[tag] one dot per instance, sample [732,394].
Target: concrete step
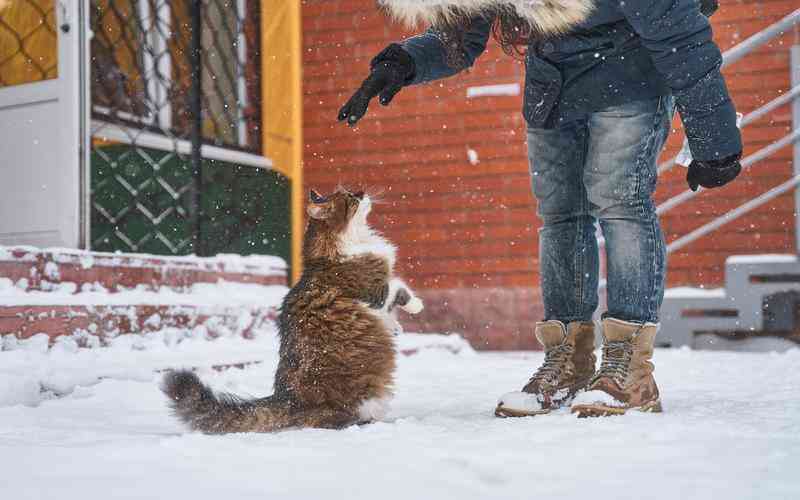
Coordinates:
[92,326]
[754,300]
[686,309]
[92,296]
[44,269]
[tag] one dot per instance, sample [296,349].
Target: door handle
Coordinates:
[65,26]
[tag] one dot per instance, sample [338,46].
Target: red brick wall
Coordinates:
[468,233]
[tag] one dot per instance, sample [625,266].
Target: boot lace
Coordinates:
[616,361]
[554,361]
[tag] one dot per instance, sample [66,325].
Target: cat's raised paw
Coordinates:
[414,306]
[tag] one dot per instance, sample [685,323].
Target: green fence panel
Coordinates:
[140,202]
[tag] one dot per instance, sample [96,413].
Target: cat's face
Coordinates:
[338,209]
[336,214]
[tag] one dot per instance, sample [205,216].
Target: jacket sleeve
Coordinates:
[430,58]
[680,43]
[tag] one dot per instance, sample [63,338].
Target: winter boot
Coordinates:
[625,379]
[568,368]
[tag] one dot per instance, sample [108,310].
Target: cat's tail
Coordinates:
[196,405]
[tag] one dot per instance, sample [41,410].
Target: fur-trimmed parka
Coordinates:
[587,55]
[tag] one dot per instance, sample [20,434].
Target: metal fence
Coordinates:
[176,126]
[28,42]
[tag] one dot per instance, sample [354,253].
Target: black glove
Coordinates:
[709,7]
[713,173]
[392,68]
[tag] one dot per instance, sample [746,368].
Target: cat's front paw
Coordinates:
[413,306]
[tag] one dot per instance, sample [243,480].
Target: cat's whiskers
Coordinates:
[376,196]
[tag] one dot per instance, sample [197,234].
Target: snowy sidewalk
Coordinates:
[731,431]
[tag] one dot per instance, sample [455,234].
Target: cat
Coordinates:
[337,355]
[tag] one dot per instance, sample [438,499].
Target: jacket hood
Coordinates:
[545,16]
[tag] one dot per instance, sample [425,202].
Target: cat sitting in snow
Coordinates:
[336,326]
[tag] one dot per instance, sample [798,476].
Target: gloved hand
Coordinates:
[709,7]
[713,173]
[392,68]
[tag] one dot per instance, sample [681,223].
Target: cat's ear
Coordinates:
[315,197]
[319,212]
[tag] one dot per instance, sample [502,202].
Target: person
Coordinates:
[602,81]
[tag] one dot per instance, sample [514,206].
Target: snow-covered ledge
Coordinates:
[95,296]
[40,269]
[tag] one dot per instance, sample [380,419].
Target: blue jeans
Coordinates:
[601,168]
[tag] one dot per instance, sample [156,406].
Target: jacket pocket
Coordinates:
[542,90]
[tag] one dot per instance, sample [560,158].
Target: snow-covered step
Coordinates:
[686,310]
[44,269]
[219,309]
[751,275]
[736,310]
[94,325]
[93,297]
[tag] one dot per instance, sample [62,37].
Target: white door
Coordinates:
[43,140]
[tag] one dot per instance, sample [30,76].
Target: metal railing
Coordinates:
[754,158]
[734,214]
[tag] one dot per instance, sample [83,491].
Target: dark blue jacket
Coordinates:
[624,51]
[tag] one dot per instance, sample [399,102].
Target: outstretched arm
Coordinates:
[430,57]
[419,59]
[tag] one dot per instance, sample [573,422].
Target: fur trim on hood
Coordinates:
[545,16]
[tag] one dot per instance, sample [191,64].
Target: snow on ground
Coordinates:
[102,431]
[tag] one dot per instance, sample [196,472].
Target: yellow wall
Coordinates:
[281,78]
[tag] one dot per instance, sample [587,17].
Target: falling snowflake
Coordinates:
[472,156]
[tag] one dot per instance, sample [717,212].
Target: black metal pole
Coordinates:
[196,113]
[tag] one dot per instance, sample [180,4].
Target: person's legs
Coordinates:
[568,253]
[620,177]
[569,267]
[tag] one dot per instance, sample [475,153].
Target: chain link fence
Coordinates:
[28,42]
[176,126]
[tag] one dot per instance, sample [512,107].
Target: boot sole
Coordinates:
[503,412]
[601,410]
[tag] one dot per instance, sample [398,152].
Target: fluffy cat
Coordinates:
[337,356]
